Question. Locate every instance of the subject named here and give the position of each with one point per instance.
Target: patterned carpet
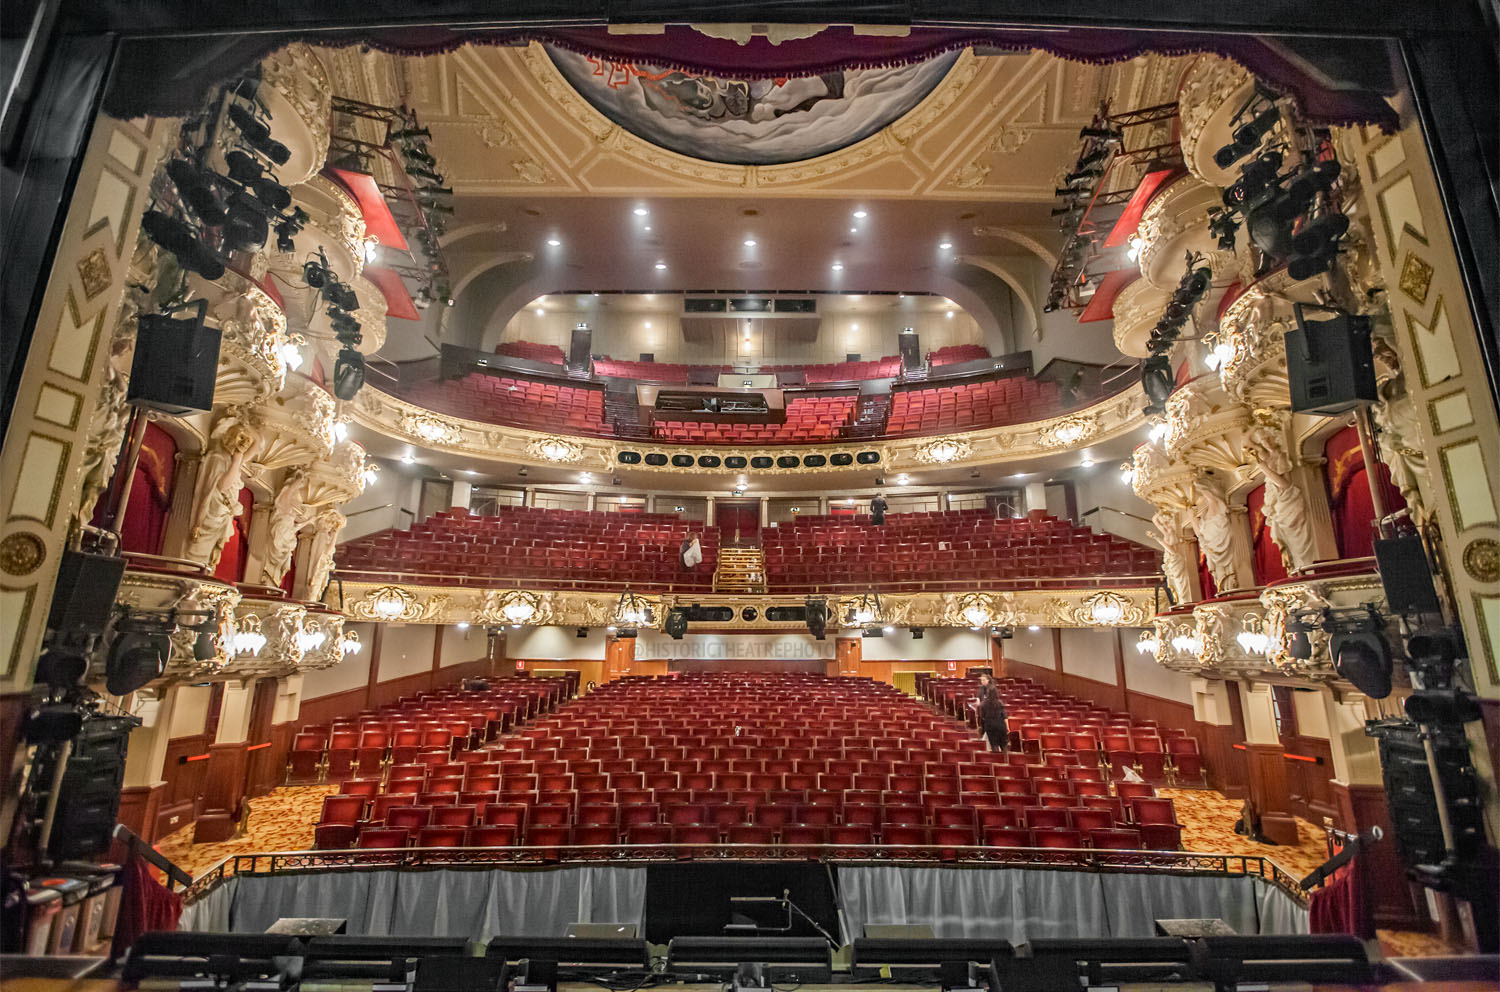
(283, 821)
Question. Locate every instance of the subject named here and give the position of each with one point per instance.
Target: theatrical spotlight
(676, 624)
(348, 373)
(175, 236)
(138, 655)
(1081, 176)
(1101, 134)
(1247, 138)
(1270, 220)
(408, 133)
(257, 135)
(817, 618)
(1360, 653)
(195, 188)
(1156, 378)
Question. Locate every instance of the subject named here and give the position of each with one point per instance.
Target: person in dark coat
(877, 509)
(992, 716)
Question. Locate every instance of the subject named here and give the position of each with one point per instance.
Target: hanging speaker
(1406, 576)
(1330, 367)
(89, 797)
(175, 364)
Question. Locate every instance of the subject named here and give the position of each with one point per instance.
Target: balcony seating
(785, 779)
(492, 399)
(955, 353)
(532, 351)
(542, 547)
(971, 405)
(808, 419)
(947, 550)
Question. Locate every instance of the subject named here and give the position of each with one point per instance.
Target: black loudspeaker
(579, 347)
(85, 592)
(1406, 576)
(89, 797)
(676, 624)
(1329, 365)
(1412, 802)
(175, 364)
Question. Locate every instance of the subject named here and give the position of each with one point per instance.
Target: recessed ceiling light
(854, 326)
(640, 211)
(646, 228)
(1087, 462)
(648, 325)
(538, 311)
(838, 266)
(1033, 627)
(553, 242)
(470, 471)
(749, 242)
(946, 245)
(660, 266)
(949, 315)
(860, 214)
(853, 230)
(407, 459)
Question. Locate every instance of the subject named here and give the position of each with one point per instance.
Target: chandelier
(863, 612)
(634, 611)
(517, 607)
(942, 450)
(247, 637)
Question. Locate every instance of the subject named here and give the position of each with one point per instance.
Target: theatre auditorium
(961, 496)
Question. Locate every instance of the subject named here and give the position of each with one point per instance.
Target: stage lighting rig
(1247, 137)
(257, 134)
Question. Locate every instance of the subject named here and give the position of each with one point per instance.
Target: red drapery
(1206, 577)
(1349, 500)
(232, 559)
(1265, 558)
(145, 520)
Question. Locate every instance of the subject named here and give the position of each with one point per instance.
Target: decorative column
(144, 787)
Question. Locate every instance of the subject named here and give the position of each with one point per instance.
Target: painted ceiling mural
(750, 121)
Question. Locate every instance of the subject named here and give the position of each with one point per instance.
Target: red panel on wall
(1349, 498)
(145, 520)
(1265, 554)
(232, 560)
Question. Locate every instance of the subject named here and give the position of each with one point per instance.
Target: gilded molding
(396, 418)
(1211, 91)
(419, 603)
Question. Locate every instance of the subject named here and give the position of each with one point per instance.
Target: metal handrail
(969, 856)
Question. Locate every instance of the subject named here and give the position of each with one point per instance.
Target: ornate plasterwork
(297, 77)
(1211, 92)
(555, 449)
(418, 603)
(251, 369)
(386, 414)
(160, 591)
(1206, 428)
(296, 426)
(338, 478)
(942, 451)
(1070, 431)
(1174, 223)
(1253, 328)
(1137, 310)
(892, 138)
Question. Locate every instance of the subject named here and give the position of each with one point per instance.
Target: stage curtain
(1265, 553)
(477, 903)
(1349, 494)
(1027, 904)
(145, 520)
(232, 558)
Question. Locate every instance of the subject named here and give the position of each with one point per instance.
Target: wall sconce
(1252, 637)
(1148, 644)
(247, 638)
(349, 643)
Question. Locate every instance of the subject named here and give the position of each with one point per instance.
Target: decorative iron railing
(1061, 859)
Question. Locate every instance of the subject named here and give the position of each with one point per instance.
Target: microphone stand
(786, 897)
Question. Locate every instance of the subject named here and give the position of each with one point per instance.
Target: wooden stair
(740, 570)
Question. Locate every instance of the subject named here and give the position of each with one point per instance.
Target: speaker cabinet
(1405, 574)
(1330, 367)
(174, 365)
(89, 797)
(85, 592)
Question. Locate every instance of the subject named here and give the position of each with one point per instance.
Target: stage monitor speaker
(1406, 576)
(174, 366)
(1330, 367)
(88, 801)
(85, 592)
(579, 347)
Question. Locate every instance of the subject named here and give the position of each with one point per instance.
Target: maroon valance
(141, 86)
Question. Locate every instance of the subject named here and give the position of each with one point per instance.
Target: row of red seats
(540, 544)
(812, 418)
(971, 405)
(954, 353)
(519, 402)
(533, 351)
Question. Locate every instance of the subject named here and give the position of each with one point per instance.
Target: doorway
(738, 522)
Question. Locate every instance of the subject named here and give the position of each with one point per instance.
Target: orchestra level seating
(741, 759)
(540, 546)
(947, 550)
